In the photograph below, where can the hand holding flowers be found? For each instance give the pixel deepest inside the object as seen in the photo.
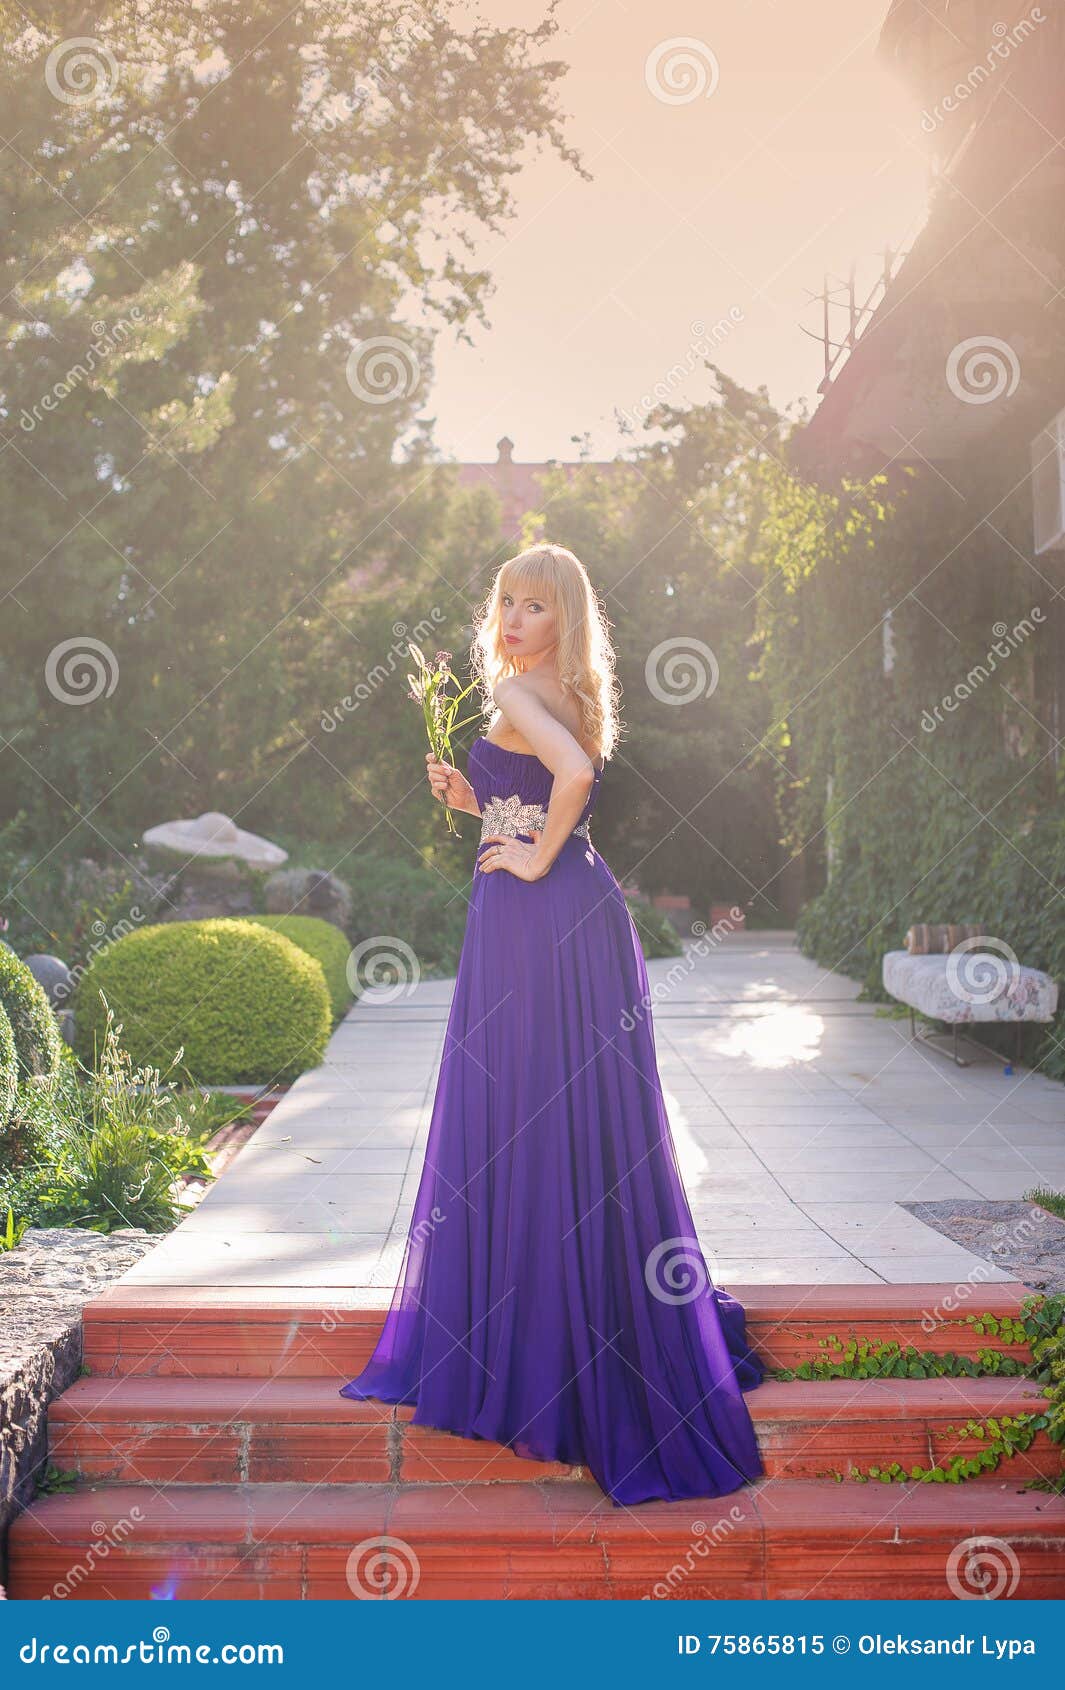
(433, 687)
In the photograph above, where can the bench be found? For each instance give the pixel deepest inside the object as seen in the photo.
(970, 984)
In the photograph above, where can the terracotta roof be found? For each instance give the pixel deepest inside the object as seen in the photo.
(518, 485)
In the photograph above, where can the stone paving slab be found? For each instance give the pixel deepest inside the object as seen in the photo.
(803, 1122)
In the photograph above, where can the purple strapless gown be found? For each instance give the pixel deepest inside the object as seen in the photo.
(553, 1296)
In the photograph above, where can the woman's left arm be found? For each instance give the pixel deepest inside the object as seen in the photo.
(574, 775)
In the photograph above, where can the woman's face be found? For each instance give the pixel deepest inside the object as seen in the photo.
(527, 626)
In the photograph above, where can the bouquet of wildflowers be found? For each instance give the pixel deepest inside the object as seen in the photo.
(433, 687)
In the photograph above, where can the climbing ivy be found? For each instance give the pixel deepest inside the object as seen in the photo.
(882, 601)
(1005, 1436)
(1041, 1325)
(866, 1358)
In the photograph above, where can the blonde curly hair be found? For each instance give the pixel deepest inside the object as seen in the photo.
(584, 658)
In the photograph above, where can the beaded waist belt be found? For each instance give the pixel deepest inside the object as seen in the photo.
(510, 816)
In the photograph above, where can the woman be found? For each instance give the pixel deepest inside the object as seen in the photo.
(553, 1295)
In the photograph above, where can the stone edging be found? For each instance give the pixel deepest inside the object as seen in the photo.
(44, 1285)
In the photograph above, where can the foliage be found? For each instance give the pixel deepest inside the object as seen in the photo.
(1045, 1320)
(205, 483)
(103, 1150)
(867, 1358)
(658, 936)
(66, 904)
(1000, 1437)
(1052, 1201)
(688, 799)
(30, 1142)
(32, 1133)
(904, 649)
(1040, 1325)
(38, 1044)
(207, 1112)
(20, 1189)
(245, 1003)
(436, 689)
(324, 942)
(13, 1231)
(424, 907)
(8, 1067)
(47, 1166)
(55, 1481)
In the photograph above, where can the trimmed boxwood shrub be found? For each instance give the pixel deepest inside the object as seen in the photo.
(38, 1043)
(320, 939)
(8, 1068)
(245, 1004)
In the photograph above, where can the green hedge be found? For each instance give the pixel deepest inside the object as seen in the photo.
(8, 1068)
(321, 940)
(38, 1043)
(424, 909)
(428, 913)
(246, 1004)
(658, 936)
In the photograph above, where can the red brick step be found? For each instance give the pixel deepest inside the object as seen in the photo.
(255, 1478)
(321, 1333)
(778, 1538)
(232, 1431)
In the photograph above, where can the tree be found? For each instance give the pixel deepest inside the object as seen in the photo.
(671, 543)
(231, 232)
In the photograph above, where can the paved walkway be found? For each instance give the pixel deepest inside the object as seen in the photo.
(802, 1120)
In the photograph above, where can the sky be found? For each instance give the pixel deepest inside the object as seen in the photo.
(708, 223)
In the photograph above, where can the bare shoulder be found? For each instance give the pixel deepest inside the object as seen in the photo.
(544, 688)
(524, 700)
(509, 686)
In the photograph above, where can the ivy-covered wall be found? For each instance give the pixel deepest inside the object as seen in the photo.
(910, 643)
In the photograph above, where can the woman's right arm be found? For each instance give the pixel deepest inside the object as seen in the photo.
(449, 787)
